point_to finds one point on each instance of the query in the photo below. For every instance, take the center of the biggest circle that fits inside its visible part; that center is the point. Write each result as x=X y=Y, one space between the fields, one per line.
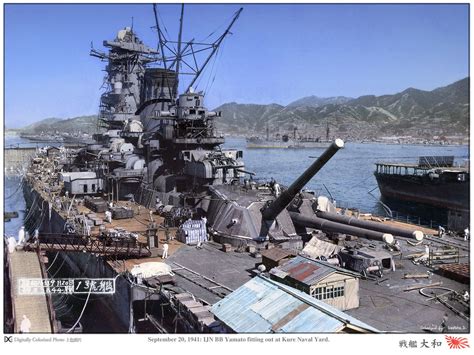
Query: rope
x=82 y=312
x=85 y=305
x=20 y=185
x=31 y=208
x=52 y=277
x=52 y=262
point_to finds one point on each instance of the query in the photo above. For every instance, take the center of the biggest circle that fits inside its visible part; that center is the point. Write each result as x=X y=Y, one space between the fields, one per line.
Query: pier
x=27 y=265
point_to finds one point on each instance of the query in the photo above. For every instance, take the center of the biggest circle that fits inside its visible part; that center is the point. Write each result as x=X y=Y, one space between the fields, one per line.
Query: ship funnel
x=278 y=205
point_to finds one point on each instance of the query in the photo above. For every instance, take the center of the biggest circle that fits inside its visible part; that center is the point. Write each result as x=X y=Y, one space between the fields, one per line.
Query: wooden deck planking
x=35 y=307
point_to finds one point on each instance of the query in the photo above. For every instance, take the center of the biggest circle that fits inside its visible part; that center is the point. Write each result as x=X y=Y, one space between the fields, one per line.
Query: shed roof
x=308 y=271
x=263 y=306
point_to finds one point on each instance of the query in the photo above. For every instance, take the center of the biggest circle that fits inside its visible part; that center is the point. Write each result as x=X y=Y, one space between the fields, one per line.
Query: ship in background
x=434 y=181
x=287 y=141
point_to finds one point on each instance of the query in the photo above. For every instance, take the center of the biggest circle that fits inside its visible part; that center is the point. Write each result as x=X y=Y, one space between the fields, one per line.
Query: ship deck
x=386 y=305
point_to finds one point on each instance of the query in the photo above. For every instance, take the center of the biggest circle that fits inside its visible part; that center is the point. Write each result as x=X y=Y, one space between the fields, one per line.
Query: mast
x=178 y=54
x=215 y=48
x=160 y=38
x=162 y=50
x=185 y=49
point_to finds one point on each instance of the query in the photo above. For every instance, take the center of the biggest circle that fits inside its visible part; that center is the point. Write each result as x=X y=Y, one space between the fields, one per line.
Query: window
x=192 y=112
x=318 y=293
x=387 y=263
x=93 y=187
x=85 y=188
x=338 y=291
x=328 y=292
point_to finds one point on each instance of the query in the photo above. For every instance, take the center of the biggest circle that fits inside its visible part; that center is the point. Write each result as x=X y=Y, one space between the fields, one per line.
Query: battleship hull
x=420 y=189
x=82 y=264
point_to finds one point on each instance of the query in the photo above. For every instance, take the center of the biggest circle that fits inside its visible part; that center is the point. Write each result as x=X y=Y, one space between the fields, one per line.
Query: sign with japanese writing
x=65 y=286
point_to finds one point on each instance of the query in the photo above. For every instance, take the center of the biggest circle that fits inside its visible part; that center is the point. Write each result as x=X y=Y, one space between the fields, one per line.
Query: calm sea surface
x=348 y=176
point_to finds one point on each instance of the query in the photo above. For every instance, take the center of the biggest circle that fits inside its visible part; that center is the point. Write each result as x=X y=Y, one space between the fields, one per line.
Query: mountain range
x=442 y=111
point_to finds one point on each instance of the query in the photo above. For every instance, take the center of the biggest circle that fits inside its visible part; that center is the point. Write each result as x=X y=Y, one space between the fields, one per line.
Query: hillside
x=87 y=124
x=443 y=111
x=315 y=101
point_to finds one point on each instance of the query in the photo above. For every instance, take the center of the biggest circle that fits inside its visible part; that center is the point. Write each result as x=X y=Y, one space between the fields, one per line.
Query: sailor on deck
x=441 y=231
x=165 y=251
x=25 y=325
x=21 y=235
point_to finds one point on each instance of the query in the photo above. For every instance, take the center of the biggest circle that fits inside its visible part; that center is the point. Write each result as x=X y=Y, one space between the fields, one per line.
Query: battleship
x=194 y=243
x=433 y=181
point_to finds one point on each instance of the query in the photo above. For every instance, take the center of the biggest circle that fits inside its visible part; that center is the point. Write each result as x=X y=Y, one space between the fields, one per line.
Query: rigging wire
x=20 y=185
x=218 y=61
x=57 y=271
x=85 y=305
x=218 y=28
x=82 y=312
x=54 y=260
x=211 y=71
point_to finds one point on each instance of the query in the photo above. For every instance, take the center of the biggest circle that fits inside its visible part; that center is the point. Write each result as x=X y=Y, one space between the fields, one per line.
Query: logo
x=8 y=339
x=457 y=342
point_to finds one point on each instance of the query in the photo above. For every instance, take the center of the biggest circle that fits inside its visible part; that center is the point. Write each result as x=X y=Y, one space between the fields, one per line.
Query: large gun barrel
x=331 y=226
x=282 y=201
x=380 y=227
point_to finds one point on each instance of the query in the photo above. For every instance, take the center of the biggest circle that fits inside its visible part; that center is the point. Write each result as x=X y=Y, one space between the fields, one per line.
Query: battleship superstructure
x=159 y=146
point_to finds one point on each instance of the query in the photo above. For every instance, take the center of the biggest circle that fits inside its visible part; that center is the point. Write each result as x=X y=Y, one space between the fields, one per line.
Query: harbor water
x=348 y=178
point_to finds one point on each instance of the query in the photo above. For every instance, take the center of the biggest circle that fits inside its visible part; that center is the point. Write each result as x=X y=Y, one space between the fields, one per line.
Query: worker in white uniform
x=465 y=296
x=25 y=325
x=165 y=251
x=21 y=235
x=108 y=216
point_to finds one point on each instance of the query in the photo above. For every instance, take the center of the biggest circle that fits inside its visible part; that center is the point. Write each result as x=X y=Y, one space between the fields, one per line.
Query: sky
x=277 y=53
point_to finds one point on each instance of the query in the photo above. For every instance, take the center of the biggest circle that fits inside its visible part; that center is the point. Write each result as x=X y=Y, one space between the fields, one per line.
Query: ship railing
x=400 y=169
x=417 y=220
x=106 y=246
x=401 y=217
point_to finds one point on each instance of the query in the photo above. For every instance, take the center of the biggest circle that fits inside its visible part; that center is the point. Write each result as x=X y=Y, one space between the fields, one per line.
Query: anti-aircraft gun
x=254 y=213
